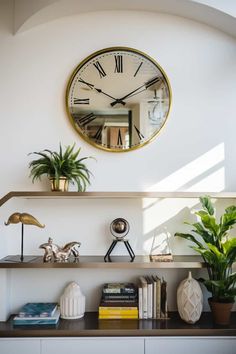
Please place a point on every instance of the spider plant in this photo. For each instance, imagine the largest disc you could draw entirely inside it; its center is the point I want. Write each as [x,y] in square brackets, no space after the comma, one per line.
[217,249]
[61,164]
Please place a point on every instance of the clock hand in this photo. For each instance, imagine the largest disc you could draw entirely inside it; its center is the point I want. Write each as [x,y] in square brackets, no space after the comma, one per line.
[86,83]
[132,93]
[100,91]
[106,94]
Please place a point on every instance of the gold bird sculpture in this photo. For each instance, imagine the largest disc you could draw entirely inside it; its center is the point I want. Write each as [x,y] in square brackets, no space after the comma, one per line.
[24,218]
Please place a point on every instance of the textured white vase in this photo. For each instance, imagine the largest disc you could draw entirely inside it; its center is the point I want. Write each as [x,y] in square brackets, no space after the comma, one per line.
[189,300]
[72,302]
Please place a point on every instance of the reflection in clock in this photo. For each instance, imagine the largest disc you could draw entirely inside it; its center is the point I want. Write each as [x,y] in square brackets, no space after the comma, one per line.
[118,99]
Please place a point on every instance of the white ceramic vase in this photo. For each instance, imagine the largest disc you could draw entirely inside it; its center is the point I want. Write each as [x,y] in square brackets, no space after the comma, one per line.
[72,302]
[189,300]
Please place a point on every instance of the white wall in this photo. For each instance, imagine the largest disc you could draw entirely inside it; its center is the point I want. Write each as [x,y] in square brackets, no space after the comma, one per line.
[195,151]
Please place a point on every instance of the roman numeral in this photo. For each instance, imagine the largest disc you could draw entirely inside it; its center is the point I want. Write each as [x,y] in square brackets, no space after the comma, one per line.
[140,135]
[99,69]
[138,68]
[81,100]
[98,135]
[118,64]
[119,140]
[86,119]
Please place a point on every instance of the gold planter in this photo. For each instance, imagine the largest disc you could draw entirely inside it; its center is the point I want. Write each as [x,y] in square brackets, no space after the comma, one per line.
[221,312]
[59,186]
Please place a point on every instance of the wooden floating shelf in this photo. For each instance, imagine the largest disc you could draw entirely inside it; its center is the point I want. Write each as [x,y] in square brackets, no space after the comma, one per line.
[91,326]
[111,195]
[117,262]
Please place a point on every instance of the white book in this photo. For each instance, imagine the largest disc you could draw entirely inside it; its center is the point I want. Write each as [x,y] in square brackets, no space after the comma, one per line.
[144,296]
[149,297]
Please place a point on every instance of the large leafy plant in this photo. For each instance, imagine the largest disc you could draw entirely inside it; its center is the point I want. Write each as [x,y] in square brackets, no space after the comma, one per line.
[217,249]
[61,164]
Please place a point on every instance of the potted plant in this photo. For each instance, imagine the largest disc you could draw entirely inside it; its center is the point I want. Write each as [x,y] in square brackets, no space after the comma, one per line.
[62,168]
[218,251]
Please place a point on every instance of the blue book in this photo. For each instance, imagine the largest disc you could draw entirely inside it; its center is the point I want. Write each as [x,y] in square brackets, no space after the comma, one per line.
[30,321]
[38,309]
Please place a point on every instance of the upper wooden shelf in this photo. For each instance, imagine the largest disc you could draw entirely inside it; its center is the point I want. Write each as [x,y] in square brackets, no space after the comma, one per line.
[111,195]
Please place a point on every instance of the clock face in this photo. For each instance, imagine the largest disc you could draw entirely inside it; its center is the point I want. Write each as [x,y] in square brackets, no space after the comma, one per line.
[118,99]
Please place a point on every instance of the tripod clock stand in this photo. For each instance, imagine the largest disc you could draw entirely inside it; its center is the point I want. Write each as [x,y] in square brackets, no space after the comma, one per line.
[119,229]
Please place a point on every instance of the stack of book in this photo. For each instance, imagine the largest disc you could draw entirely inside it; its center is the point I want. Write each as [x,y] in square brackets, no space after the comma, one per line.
[119,301]
[37,313]
[152,298]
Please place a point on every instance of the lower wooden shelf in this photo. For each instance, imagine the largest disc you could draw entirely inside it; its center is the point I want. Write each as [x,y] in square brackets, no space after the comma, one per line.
[91,326]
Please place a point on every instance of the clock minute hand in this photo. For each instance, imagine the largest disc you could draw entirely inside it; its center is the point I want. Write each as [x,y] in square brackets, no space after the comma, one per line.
[106,94]
[86,83]
[146,86]
[99,90]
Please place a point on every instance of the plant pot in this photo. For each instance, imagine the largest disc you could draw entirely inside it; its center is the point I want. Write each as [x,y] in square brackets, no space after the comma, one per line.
[221,311]
[59,186]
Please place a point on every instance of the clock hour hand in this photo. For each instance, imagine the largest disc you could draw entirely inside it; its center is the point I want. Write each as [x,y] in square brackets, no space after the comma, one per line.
[132,93]
[100,91]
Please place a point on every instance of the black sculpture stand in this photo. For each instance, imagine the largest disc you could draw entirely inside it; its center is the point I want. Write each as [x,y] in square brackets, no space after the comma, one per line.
[114,242]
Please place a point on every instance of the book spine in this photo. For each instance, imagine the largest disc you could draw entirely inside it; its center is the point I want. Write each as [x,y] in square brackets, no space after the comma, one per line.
[144,296]
[121,313]
[106,297]
[154,298]
[119,290]
[140,301]
[117,317]
[164,313]
[158,298]
[120,308]
[149,299]
[35,322]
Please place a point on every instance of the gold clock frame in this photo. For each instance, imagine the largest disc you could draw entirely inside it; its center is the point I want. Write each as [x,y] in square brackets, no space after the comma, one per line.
[87,59]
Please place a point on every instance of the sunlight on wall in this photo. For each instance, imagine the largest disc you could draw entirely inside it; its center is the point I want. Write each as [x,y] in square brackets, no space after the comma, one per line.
[163,217]
[194,171]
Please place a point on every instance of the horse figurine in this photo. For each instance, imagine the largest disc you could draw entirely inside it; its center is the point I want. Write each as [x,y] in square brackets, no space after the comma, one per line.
[59,254]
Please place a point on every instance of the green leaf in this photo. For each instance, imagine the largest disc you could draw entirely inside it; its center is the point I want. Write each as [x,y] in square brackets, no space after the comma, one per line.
[189,237]
[200,230]
[209,222]
[227,221]
[231,209]
[207,205]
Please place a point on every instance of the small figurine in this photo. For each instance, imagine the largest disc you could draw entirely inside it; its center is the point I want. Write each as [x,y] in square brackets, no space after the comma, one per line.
[60,254]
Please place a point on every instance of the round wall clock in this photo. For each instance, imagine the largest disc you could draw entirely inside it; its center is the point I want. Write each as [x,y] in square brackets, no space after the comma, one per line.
[118,99]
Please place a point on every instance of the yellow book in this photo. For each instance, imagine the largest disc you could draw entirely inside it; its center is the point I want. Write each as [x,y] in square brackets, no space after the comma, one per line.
[110,317]
[118,312]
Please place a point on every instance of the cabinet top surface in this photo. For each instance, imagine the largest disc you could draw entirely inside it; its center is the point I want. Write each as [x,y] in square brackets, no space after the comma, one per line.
[90,326]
